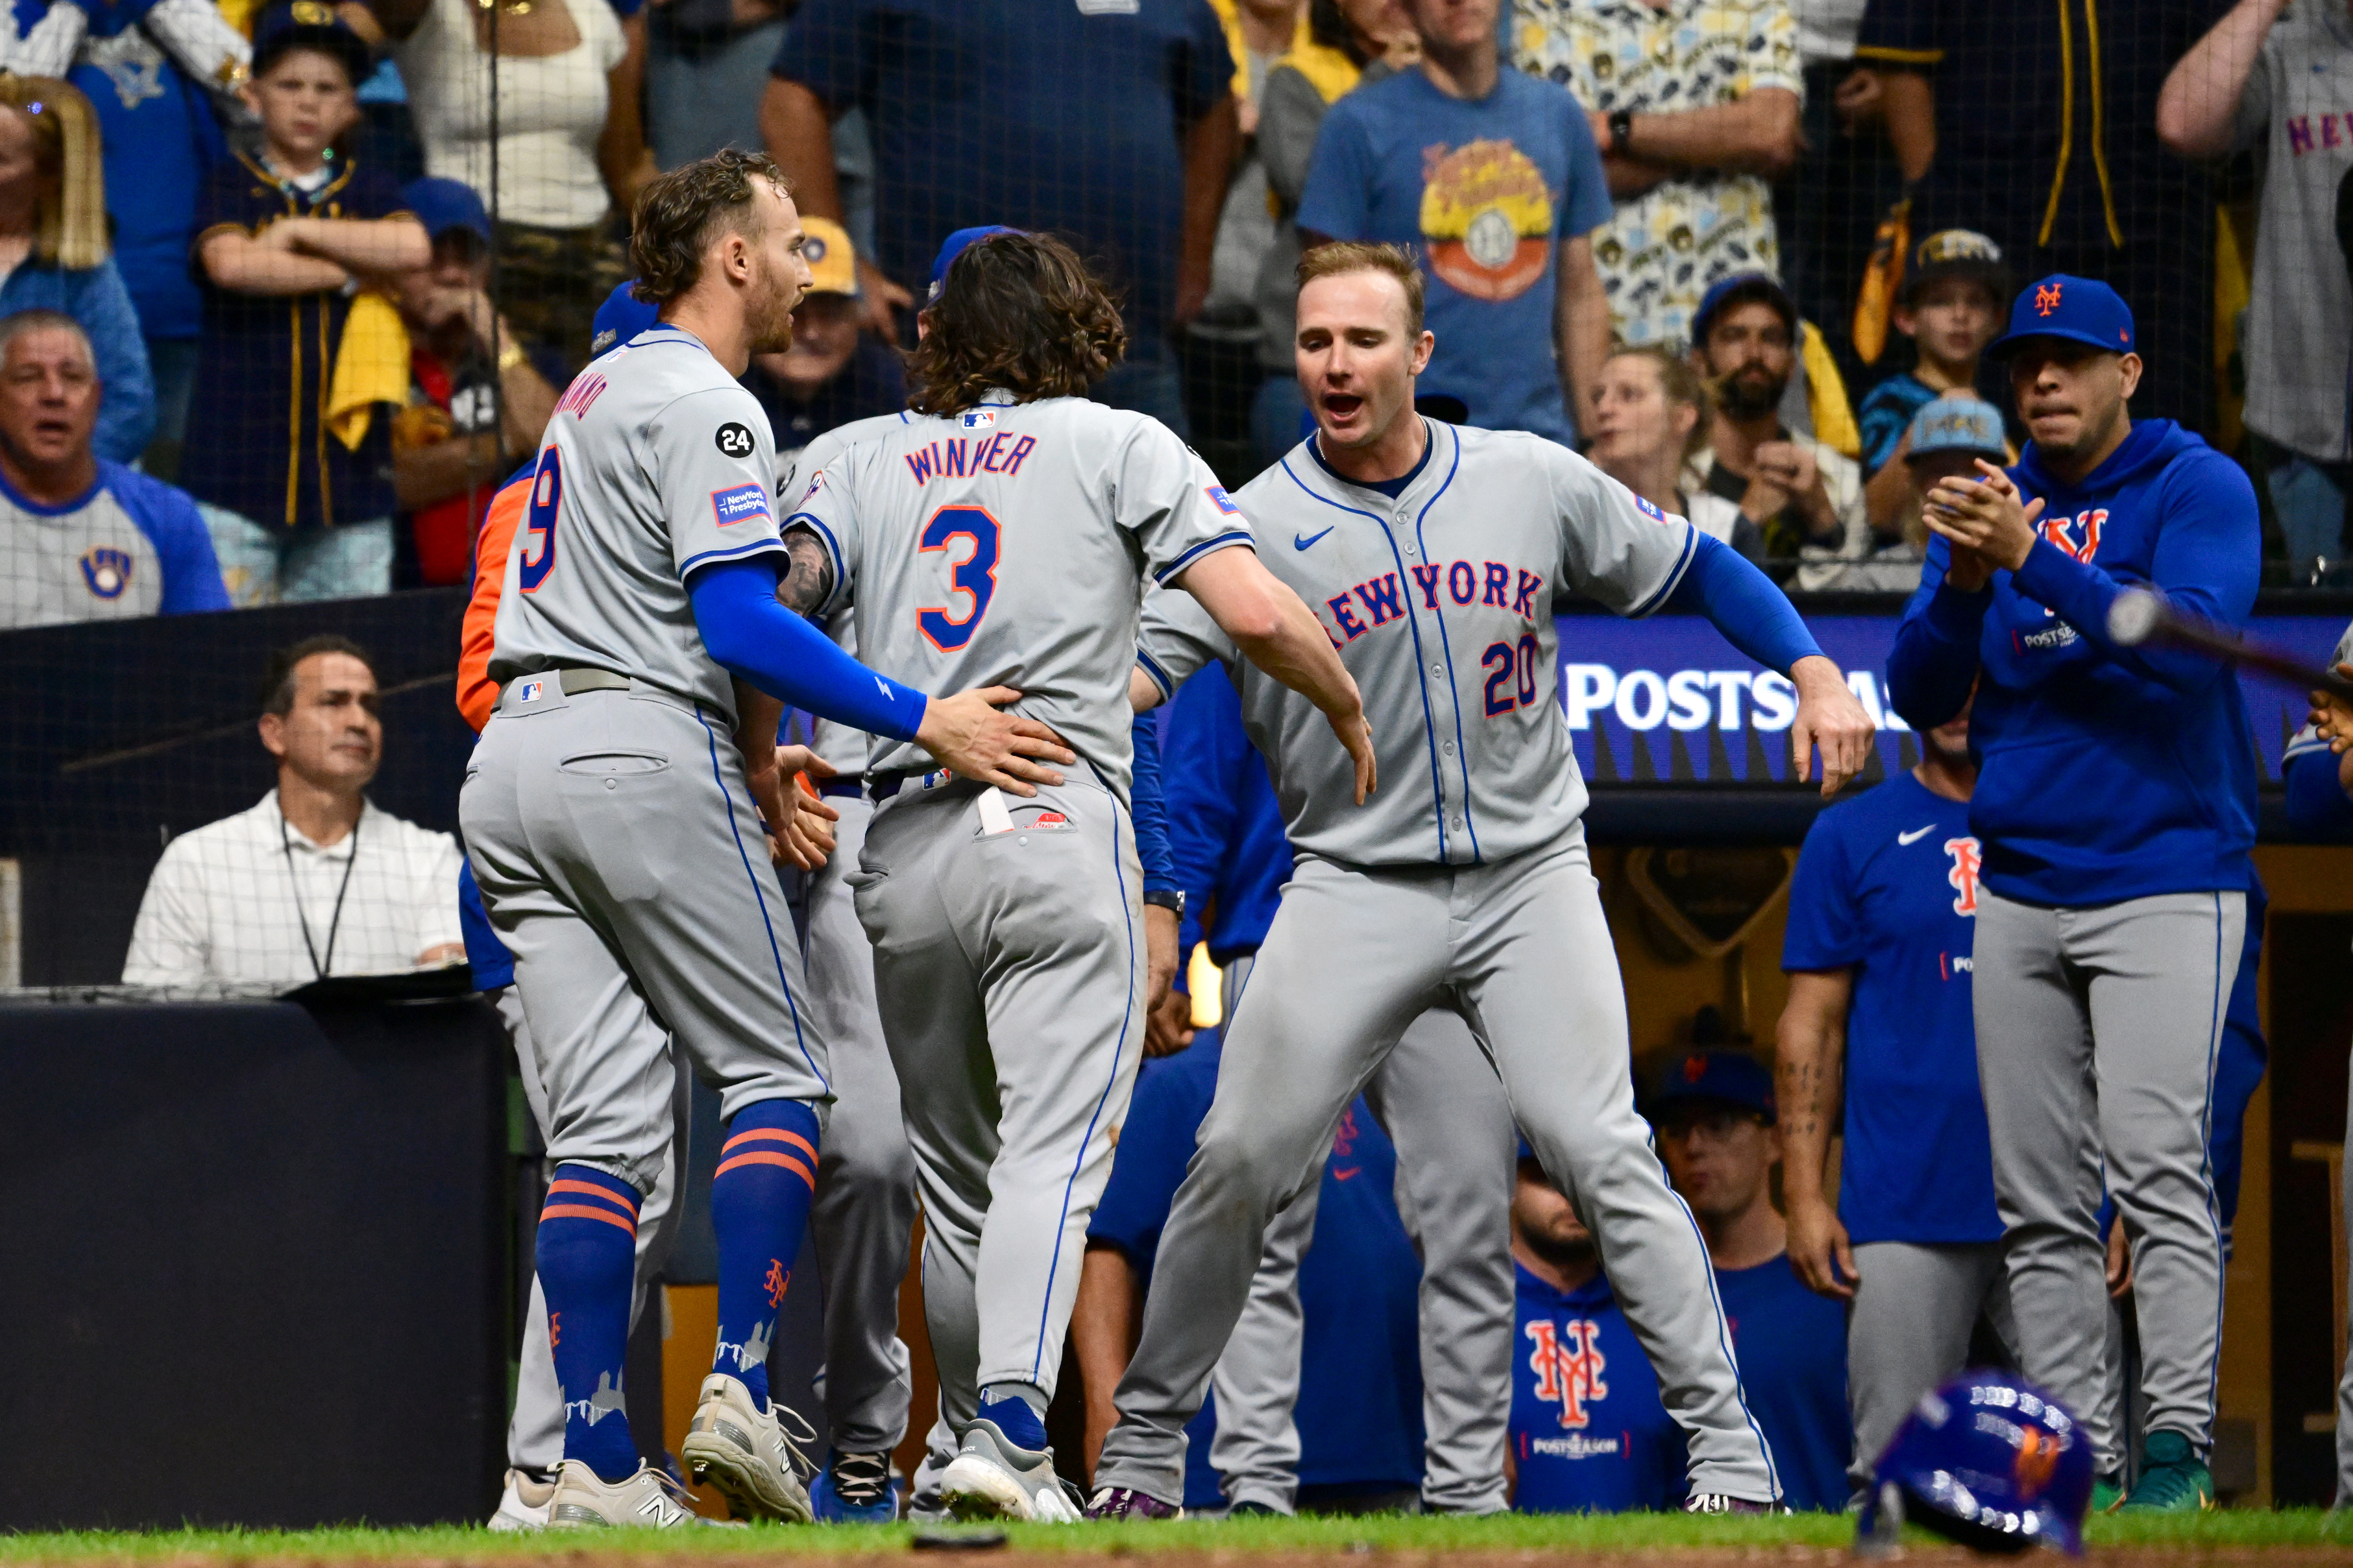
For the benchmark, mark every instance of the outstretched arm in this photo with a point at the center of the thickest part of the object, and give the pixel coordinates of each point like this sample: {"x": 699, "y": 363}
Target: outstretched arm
{"x": 1278, "y": 633}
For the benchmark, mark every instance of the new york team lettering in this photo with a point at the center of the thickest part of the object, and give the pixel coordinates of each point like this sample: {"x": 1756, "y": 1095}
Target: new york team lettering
{"x": 2318, "y": 132}
{"x": 2079, "y": 535}
{"x": 1967, "y": 857}
{"x": 1569, "y": 1363}
{"x": 959, "y": 457}
{"x": 1491, "y": 584}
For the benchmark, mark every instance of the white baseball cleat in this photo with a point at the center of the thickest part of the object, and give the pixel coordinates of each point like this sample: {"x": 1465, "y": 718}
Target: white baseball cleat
{"x": 991, "y": 1477}
{"x": 584, "y": 1500}
{"x": 524, "y": 1503}
{"x": 748, "y": 1454}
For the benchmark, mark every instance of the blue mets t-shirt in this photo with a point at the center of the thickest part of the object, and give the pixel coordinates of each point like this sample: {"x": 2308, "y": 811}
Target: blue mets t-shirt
{"x": 1588, "y": 1432}
{"x": 1791, "y": 1345}
{"x": 1485, "y": 191}
{"x": 1359, "y": 1409}
{"x": 1887, "y": 884}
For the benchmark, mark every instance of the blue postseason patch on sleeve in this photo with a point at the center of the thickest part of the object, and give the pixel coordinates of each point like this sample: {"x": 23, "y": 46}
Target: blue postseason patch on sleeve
{"x": 1221, "y": 501}
{"x": 739, "y": 504}
{"x": 1648, "y": 509}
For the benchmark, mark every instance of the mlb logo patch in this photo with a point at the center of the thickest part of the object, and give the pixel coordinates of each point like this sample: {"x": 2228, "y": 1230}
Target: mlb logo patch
{"x": 1649, "y": 510}
{"x": 531, "y": 691}
{"x": 1221, "y": 501}
{"x": 977, "y": 418}
{"x": 738, "y": 504}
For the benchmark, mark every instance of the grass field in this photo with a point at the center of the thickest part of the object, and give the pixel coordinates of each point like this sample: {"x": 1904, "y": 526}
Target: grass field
{"x": 2301, "y": 1536}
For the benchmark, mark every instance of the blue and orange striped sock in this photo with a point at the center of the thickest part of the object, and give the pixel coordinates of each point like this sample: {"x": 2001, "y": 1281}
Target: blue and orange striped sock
{"x": 759, "y": 1206}
{"x": 588, "y": 1259}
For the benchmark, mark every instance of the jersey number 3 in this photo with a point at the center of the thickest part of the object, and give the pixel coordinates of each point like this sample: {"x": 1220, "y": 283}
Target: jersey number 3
{"x": 975, "y": 575}
{"x": 539, "y": 520}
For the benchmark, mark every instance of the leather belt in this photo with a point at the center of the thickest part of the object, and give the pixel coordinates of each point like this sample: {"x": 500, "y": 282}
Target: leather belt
{"x": 842, "y": 786}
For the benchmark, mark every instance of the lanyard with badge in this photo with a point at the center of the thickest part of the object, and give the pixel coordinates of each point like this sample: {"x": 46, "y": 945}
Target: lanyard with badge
{"x": 334, "y": 924}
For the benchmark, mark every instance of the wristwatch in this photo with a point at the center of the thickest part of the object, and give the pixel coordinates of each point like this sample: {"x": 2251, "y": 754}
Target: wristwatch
{"x": 1169, "y": 899}
{"x": 1621, "y": 130}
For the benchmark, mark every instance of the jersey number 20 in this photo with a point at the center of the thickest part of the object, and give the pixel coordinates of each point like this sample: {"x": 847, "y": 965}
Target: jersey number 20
{"x": 975, "y": 575}
{"x": 539, "y": 520}
{"x": 1511, "y": 674}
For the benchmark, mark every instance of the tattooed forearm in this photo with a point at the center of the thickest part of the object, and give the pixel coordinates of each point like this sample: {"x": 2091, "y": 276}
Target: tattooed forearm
{"x": 810, "y": 579}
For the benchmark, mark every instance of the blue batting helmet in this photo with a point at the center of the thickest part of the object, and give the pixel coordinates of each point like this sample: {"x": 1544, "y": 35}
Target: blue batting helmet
{"x": 1988, "y": 1461}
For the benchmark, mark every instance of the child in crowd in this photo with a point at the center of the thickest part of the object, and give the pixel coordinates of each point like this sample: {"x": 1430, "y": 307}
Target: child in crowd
{"x": 286, "y": 447}
{"x": 1944, "y": 440}
{"x": 1951, "y": 305}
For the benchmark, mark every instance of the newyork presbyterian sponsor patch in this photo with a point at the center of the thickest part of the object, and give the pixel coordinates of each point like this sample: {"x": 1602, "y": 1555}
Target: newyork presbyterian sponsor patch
{"x": 739, "y": 503}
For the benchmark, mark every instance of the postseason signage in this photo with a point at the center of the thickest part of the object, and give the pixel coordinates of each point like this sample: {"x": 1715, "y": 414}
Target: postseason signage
{"x": 1668, "y": 701}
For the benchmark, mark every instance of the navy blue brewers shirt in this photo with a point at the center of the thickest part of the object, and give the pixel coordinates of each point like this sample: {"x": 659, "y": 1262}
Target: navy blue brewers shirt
{"x": 257, "y": 443}
{"x": 1038, "y": 114}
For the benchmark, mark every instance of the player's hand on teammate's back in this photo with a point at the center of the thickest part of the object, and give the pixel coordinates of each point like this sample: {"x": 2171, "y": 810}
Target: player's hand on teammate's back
{"x": 1829, "y": 718}
{"x": 1819, "y": 1251}
{"x": 799, "y": 825}
{"x": 972, "y": 734}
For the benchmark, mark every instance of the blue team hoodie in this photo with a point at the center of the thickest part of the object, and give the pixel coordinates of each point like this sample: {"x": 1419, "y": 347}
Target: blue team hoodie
{"x": 1224, "y": 825}
{"x": 2105, "y": 773}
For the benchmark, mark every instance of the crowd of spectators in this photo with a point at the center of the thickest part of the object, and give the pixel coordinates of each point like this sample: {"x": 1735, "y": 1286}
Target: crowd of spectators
{"x": 1821, "y": 205}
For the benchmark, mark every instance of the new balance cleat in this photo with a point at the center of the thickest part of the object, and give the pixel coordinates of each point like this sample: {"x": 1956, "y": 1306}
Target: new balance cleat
{"x": 1126, "y": 1502}
{"x": 1725, "y": 1502}
{"x": 991, "y": 1477}
{"x": 584, "y": 1500}
{"x": 523, "y": 1504}
{"x": 747, "y": 1455}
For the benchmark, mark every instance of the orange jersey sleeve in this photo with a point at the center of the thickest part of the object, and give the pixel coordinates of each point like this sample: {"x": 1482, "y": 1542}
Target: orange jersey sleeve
{"x": 478, "y": 694}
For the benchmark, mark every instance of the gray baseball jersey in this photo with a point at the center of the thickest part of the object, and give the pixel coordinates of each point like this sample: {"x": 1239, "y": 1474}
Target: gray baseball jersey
{"x": 1439, "y": 601}
{"x": 1005, "y": 545}
{"x": 843, "y": 748}
{"x": 655, "y": 462}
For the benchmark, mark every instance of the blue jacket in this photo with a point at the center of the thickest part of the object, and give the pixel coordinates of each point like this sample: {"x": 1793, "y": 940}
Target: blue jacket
{"x": 95, "y": 296}
{"x": 1224, "y": 827}
{"x": 2105, "y": 773}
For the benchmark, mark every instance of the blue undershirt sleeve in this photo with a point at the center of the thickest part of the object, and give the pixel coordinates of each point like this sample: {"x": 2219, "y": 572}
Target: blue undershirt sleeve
{"x": 1151, "y": 812}
{"x": 751, "y": 634}
{"x": 1754, "y": 616}
{"x": 2317, "y": 805}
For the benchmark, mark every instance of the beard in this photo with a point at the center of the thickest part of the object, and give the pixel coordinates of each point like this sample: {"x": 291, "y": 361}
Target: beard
{"x": 1954, "y": 757}
{"x": 771, "y": 319}
{"x": 1568, "y": 1256}
{"x": 1749, "y": 394}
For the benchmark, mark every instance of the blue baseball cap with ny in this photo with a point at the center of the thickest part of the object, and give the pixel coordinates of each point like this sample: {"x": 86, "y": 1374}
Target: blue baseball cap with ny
{"x": 2082, "y": 310}
{"x": 956, "y": 245}
{"x": 621, "y": 317}
{"x": 1729, "y": 1076}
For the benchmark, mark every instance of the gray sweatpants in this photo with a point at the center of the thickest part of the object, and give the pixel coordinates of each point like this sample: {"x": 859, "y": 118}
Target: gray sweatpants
{"x": 535, "y": 1430}
{"x": 623, "y": 865}
{"x": 1445, "y": 1108}
{"x": 1908, "y": 1331}
{"x": 865, "y": 1205}
{"x": 2096, "y": 1031}
{"x": 1521, "y": 950}
{"x": 1010, "y": 971}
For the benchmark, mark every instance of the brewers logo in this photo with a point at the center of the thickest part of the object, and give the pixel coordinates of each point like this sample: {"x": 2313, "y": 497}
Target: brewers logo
{"x": 1487, "y": 218}
{"x": 106, "y": 570}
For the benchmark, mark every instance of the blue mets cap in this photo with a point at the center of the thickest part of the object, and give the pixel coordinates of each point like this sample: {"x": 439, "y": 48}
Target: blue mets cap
{"x": 1743, "y": 288}
{"x": 445, "y": 204}
{"x": 956, "y": 245}
{"x": 1988, "y": 1461}
{"x": 621, "y": 317}
{"x": 1733, "y": 1077}
{"x": 2059, "y": 306}
{"x": 1958, "y": 424}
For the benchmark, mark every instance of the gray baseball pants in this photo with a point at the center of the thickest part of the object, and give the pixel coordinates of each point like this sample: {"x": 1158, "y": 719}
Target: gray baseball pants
{"x": 1521, "y": 950}
{"x": 2097, "y": 1032}
{"x": 1443, "y": 1106}
{"x": 1908, "y": 1331}
{"x": 623, "y": 866}
{"x": 1010, "y": 971}
{"x": 865, "y": 1205}
{"x": 535, "y": 1430}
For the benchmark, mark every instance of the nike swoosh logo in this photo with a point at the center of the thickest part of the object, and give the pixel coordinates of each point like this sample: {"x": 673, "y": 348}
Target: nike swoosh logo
{"x": 1301, "y": 541}
{"x": 1916, "y": 835}
{"x": 1339, "y": 1174}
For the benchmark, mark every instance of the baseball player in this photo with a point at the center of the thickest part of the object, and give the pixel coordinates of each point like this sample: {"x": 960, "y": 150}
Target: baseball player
{"x": 610, "y": 814}
{"x": 1433, "y": 1095}
{"x": 2115, "y": 804}
{"x": 1010, "y": 531}
{"x": 1434, "y": 554}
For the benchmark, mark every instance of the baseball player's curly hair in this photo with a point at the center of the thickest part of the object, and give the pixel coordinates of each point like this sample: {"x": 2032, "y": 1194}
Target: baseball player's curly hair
{"x": 681, "y": 213}
{"x": 1018, "y": 311}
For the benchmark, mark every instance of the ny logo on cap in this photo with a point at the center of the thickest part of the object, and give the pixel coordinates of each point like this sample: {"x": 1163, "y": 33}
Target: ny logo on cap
{"x": 2046, "y": 298}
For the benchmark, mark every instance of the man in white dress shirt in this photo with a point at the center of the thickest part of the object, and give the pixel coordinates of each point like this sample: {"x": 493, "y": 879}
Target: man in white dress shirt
{"x": 313, "y": 880}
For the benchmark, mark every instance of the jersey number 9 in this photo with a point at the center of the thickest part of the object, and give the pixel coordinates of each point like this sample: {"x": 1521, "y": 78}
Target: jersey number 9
{"x": 539, "y": 520}
{"x": 974, "y": 576}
